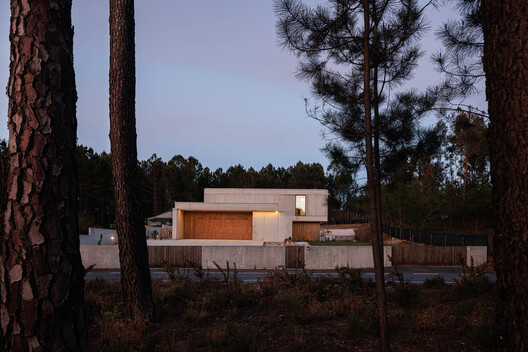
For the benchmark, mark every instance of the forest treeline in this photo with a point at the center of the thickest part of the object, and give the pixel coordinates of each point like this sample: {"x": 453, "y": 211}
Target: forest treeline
{"x": 443, "y": 188}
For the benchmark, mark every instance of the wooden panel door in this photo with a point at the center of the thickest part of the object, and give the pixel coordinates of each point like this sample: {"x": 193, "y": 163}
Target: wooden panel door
{"x": 218, "y": 225}
{"x": 306, "y": 231}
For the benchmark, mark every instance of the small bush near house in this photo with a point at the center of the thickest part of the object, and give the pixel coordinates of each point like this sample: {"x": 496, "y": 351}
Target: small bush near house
{"x": 292, "y": 312}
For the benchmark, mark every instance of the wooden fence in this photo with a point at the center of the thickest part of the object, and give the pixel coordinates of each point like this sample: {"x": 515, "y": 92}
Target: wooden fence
{"x": 428, "y": 255}
{"x": 294, "y": 256}
{"x": 180, "y": 256}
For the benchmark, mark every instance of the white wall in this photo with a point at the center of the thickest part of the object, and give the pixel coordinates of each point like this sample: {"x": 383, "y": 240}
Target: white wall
{"x": 104, "y": 256}
{"x": 271, "y": 226}
{"x": 245, "y": 257}
{"x": 327, "y": 257}
{"x": 109, "y": 236}
{"x": 478, "y": 253}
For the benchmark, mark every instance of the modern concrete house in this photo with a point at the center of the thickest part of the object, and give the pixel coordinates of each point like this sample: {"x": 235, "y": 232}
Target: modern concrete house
{"x": 268, "y": 215}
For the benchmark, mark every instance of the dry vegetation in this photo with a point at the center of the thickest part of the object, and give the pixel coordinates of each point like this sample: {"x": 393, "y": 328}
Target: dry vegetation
{"x": 296, "y": 312}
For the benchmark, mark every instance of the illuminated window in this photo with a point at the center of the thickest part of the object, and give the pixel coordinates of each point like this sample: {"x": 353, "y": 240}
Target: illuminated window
{"x": 300, "y": 205}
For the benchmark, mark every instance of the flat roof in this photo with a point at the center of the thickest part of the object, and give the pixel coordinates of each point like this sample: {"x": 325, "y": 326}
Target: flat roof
{"x": 199, "y": 206}
{"x": 266, "y": 191}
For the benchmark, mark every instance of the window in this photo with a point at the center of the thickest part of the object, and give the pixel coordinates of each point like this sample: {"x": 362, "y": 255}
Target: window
{"x": 300, "y": 205}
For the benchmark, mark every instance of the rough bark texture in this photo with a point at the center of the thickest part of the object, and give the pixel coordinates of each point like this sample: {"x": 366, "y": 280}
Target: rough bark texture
{"x": 133, "y": 255}
{"x": 505, "y": 26}
{"x": 42, "y": 278}
{"x": 377, "y": 245}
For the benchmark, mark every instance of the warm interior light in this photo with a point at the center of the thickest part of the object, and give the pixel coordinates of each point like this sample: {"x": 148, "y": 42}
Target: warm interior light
{"x": 112, "y": 238}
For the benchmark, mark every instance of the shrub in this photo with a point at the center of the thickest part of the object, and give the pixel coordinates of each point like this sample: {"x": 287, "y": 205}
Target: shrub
{"x": 436, "y": 281}
{"x": 473, "y": 281}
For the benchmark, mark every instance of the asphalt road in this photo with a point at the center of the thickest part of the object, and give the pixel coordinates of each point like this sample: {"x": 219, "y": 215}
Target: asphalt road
{"x": 417, "y": 275}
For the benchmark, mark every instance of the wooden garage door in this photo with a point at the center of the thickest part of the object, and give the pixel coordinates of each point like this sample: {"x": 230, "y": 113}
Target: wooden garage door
{"x": 217, "y": 225}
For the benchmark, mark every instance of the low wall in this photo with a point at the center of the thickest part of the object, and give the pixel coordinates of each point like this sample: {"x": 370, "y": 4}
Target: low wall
{"x": 103, "y": 256}
{"x": 265, "y": 257}
{"x": 439, "y": 256}
{"x": 109, "y": 236}
{"x": 478, "y": 253}
{"x": 327, "y": 257}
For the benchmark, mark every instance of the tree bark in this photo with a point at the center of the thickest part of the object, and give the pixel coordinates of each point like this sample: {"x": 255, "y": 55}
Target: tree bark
{"x": 371, "y": 185}
{"x": 133, "y": 256}
{"x": 42, "y": 277}
{"x": 505, "y": 28}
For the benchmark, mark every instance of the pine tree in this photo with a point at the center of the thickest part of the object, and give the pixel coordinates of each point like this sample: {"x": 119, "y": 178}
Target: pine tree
{"x": 505, "y": 29}
{"x": 133, "y": 256}
{"x": 42, "y": 284}
{"x": 335, "y": 60}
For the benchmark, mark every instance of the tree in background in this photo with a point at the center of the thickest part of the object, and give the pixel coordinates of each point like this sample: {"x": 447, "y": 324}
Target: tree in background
{"x": 337, "y": 53}
{"x": 155, "y": 196}
{"x": 468, "y": 155}
{"x": 96, "y": 203}
{"x": 42, "y": 280}
{"x": 133, "y": 256}
{"x": 505, "y": 29}
{"x": 461, "y": 60}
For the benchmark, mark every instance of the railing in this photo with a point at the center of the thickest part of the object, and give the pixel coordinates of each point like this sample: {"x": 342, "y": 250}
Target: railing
{"x": 433, "y": 238}
{"x": 436, "y": 238}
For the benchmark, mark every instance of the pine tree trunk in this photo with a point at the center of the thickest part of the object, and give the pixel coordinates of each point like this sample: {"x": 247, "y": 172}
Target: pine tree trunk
{"x": 505, "y": 28}
{"x": 42, "y": 277}
{"x": 371, "y": 185}
{"x": 133, "y": 256}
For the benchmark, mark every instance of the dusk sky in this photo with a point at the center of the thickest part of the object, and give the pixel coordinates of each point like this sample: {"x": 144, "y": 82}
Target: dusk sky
{"x": 211, "y": 82}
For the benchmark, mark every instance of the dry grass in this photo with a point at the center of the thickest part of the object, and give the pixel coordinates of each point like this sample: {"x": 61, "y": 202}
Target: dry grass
{"x": 291, "y": 312}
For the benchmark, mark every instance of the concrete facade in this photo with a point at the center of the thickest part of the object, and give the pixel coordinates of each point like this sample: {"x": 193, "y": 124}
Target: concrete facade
{"x": 273, "y": 210}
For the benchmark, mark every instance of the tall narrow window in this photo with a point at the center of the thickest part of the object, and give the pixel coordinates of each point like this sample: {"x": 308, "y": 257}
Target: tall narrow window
{"x": 300, "y": 205}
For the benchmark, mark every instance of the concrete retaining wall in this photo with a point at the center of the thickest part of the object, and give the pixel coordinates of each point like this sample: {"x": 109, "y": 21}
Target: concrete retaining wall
{"x": 103, "y": 256}
{"x": 327, "y": 257}
{"x": 478, "y": 253}
{"x": 266, "y": 257}
{"x": 109, "y": 236}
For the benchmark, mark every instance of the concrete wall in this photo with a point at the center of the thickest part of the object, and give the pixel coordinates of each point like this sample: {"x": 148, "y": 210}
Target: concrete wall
{"x": 478, "y": 253}
{"x": 94, "y": 235}
{"x": 177, "y": 223}
{"x": 316, "y": 199}
{"x": 327, "y": 257}
{"x": 103, "y": 256}
{"x": 265, "y": 257}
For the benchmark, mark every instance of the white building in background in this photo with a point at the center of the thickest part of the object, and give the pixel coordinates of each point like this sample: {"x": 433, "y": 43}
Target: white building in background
{"x": 269, "y": 215}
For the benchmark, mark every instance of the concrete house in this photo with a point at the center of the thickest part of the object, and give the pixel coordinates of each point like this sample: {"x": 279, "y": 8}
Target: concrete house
{"x": 268, "y": 215}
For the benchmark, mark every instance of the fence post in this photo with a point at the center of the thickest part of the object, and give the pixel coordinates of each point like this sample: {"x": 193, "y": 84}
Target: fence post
{"x": 445, "y": 239}
{"x": 431, "y": 240}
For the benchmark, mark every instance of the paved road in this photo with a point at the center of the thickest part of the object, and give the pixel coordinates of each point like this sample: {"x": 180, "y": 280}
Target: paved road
{"x": 417, "y": 275}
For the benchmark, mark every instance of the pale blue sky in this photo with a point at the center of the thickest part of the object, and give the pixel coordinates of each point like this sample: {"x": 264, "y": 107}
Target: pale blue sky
{"x": 211, "y": 82}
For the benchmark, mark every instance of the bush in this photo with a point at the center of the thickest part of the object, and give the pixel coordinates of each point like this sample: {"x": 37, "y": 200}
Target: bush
{"x": 473, "y": 281}
{"x": 436, "y": 281}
